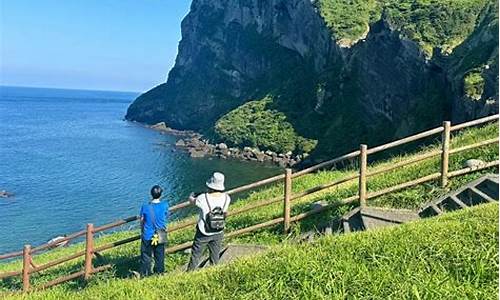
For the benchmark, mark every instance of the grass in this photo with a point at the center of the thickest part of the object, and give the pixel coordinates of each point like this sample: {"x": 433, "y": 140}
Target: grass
{"x": 125, "y": 257}
{"x": 449, "y": 257}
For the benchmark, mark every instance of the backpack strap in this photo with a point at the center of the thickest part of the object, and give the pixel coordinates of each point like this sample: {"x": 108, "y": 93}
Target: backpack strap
{"x": 208, "y": 203}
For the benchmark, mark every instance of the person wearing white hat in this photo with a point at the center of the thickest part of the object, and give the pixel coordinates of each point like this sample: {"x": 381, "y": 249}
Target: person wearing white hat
{"x": 213, "y": 207}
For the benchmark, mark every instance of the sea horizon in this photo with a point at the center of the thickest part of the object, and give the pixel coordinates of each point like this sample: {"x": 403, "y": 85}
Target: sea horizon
{"x": 70, "y": 89}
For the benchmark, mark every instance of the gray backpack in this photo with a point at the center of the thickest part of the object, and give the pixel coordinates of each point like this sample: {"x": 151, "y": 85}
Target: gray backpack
{"x": 215, "y": 219}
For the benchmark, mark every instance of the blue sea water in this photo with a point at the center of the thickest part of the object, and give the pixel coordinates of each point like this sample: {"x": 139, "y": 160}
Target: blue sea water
{"x": 71, "y": 159}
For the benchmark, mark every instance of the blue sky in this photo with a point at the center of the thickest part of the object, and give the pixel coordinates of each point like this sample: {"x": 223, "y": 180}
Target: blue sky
{"x": 124, "y": 45}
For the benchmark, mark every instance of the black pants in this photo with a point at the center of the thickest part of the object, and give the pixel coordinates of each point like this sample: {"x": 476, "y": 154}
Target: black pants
{"x": 214, "y": 243}
{"x": 147, "y": 251}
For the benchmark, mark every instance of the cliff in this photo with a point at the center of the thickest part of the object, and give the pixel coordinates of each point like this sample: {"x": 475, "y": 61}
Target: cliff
{"x": 339, "y": 72}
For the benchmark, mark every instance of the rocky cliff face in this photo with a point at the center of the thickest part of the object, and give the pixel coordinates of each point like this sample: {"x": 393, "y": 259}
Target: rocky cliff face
{"x": 233, "y": 51}
{"x": 385, "y": 89}
{"x": 375, "y": 89}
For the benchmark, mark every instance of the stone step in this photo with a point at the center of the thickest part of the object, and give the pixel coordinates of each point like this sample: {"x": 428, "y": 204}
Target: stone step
{"x": 232, "y": 252}
{"x": 482, "y": 190}
{"x": 489, "y": 186}
{"x": 481, "y": 194}
{"x": 458, "y": 201}
{"x": 373, "y": 217}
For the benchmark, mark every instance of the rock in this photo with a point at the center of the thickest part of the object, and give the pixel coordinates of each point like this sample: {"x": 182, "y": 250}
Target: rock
{"x": 318, "y": 204}
{"x": 283, "y": 163}
{"x": 247, "y": 149}
{"x": 270, "y": 153}
{"x": 289, "y": 153}
{"x": 222, "y": 146}
{"x": 5, "y": 194}
{"x": 180, "y": 143}
{"x": 473, "y": 163}
{"x": 196, "y": 153}
{"x": 260, "y": 156}
{"x": 196, "y": 143}
{"x": 160, "y": 126}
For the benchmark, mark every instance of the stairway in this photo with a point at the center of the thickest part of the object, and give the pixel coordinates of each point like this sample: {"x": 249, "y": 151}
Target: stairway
{"x": 482, "y": 190}
{"x": 360, "y": 219}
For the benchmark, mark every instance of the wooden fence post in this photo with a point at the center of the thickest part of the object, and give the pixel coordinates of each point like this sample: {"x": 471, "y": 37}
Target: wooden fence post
{"x": 26, "y": 267}
{"x": 445, "y": 144}
{"x": 89, "y": 245}
{"x": 363, "y": 156}
{"x": 286, "y": 204}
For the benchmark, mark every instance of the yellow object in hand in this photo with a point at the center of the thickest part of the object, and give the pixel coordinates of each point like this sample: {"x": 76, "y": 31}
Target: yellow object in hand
{"x": 155, "y": 240}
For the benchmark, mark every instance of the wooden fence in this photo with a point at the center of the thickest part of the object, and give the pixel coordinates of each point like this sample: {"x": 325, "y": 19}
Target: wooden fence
{"x": 29, "y": 267}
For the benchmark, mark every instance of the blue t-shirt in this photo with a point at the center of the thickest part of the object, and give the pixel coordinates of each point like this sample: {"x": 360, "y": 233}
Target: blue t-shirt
{"x": 160, "y": 211}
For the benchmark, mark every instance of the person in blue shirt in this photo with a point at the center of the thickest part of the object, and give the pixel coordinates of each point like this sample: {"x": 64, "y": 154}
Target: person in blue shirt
{"x": 153, "y": 219}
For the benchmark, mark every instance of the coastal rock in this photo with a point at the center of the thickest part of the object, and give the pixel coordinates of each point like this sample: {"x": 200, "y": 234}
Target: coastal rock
{"x": 196, "y": 153}
{"x": 180, "y": 143}
{"x": 222, "y": 146}
{"x": 260, "y": 156}
{"x": 160, "y": 126}
{"x": 197, "y": 147}
{"x": 5, "y": 194}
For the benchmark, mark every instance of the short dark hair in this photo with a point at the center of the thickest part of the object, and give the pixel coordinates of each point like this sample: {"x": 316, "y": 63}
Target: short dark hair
{"x": 156, "y": 191}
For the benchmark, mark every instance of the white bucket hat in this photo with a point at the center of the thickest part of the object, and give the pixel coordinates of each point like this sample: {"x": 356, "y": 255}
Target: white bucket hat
{"x": 216, "y": 182}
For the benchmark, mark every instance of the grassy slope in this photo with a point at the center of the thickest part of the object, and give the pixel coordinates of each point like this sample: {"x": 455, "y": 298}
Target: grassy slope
{"x": 452, "y": 256}
{"x": 125, "y": 257}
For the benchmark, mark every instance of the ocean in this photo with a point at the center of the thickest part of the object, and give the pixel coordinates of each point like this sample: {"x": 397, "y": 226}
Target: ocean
{"x": 70, "y": 159}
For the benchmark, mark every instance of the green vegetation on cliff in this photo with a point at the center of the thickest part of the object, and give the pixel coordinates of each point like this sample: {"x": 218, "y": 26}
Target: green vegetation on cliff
{"x": 439, "y": 23}
{"x": 349, "y": 19}
{"x": 474, "y": 85}
{"x": 254, "y": 124}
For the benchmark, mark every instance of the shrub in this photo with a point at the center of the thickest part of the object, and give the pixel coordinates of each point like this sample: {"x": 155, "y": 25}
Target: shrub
{"x": 254, "y": 124}
{"x": 474, "y": 85}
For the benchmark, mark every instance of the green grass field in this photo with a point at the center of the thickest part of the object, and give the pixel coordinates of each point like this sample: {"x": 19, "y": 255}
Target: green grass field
{"x": 454, "y": 256}
{"x": 125, "y": 257}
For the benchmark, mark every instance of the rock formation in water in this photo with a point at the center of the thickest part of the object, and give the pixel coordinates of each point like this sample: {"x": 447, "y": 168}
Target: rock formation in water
{"x": 341, "y": 72}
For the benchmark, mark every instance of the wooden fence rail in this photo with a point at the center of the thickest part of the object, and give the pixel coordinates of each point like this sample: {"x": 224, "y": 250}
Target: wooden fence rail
{"x": 28, "y": 266}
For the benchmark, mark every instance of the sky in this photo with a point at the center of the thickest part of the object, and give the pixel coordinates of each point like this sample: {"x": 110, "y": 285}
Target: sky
{"x": 120, "y": 45}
